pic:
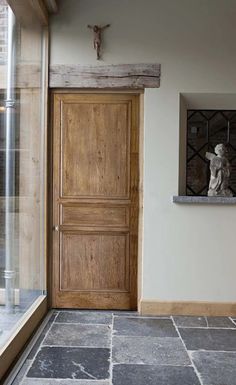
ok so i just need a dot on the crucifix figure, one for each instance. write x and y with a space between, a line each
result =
97 40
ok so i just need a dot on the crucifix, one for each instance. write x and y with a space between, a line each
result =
97 37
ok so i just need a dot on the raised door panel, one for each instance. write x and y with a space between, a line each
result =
94 262
94 215
95 149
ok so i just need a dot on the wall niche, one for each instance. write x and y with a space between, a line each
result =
205 121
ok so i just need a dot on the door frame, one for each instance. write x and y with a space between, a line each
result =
140 94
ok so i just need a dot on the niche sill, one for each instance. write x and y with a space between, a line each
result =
204 200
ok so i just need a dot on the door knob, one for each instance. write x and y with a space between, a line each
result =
56 228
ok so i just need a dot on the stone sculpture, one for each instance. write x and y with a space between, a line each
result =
220 172
97 39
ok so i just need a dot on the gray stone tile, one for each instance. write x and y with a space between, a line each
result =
144 327
154 375
79 335
216 368
182 321
71 363
149 350
87 317
209 339
22 372
220 322
36 381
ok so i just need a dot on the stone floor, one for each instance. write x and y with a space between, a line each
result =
123 348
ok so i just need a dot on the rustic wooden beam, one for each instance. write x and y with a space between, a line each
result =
108 76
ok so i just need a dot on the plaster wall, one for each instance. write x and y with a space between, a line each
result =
189 250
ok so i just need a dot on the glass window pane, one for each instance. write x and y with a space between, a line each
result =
21 169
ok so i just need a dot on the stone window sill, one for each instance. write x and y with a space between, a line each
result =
204 200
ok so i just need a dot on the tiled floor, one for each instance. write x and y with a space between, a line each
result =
104 348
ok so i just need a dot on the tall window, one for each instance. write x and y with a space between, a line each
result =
21 169
206 129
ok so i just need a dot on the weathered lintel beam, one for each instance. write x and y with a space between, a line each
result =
133 76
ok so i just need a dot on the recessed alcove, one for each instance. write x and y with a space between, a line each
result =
194 102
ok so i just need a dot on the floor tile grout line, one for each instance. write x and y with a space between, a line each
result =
232 320
40 345
194 367
82 323
212 351
156 365
75 380
76 346
57 314
141 317
147 336
205 327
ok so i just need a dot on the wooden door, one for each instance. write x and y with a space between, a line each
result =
95 200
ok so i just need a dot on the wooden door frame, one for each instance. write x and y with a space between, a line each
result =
140 94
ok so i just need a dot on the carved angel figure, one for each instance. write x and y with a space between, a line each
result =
220 172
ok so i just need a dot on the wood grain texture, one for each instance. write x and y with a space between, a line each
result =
86 255
94 215
95 148
107 76
96 200
188 308
29 190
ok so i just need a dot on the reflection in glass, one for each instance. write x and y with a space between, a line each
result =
21 171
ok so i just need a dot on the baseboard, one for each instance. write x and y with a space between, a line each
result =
2 296
188 308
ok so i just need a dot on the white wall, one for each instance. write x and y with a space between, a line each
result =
189 250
